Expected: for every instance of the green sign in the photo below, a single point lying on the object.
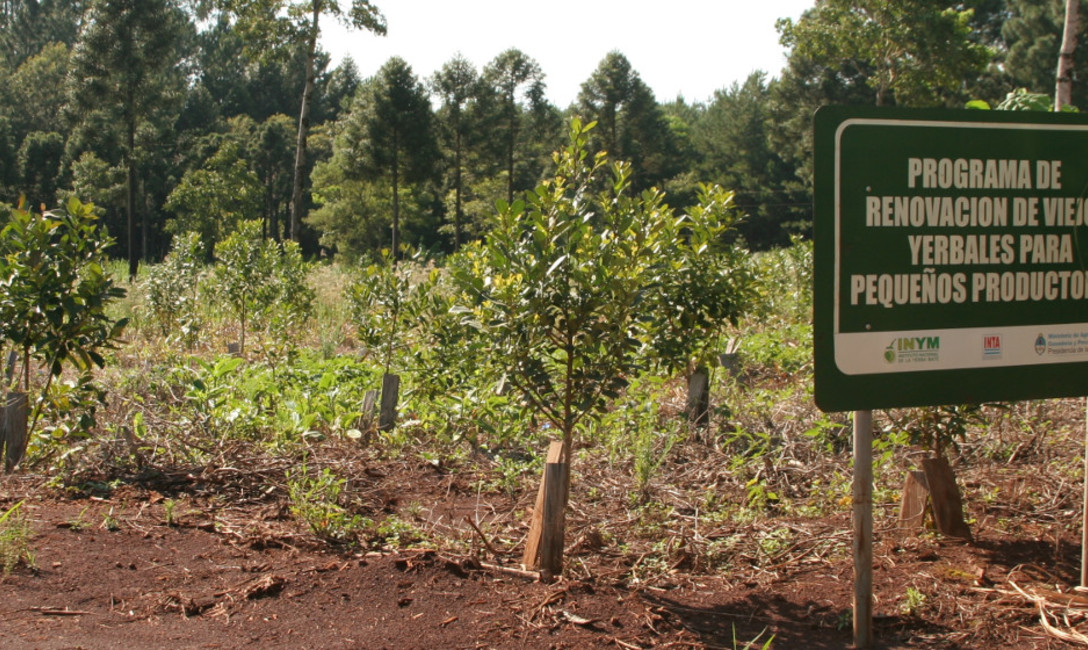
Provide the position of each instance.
(951, 257)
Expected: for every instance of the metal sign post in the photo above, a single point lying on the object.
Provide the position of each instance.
(863, 529)
(1084, 511)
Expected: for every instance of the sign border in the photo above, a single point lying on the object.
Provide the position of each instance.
(836, 390)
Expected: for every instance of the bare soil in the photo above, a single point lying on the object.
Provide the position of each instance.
(211, 557)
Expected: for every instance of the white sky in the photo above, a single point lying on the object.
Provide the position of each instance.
(678, 47)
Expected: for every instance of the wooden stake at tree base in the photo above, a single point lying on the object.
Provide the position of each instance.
(944, 496)
(544, 546)
(387, 418)
(13, 428)
(698, 406)
(915, 502)
(365, 423)
(933, 490)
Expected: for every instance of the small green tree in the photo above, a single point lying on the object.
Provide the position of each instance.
(565, 283)
(565, 287)
(54, 292)
(261, 280)
(171, 287)
(698, 285)
(383, 300)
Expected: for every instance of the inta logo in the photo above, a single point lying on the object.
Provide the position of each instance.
(991, 347)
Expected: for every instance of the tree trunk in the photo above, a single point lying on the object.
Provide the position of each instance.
(270, 205)
(145, 229)
(303, 130)
(458, 182)
(130, 201)
(513, 136)
(396, 198)
(1063, 91)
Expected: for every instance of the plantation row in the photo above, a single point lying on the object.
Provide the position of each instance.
(583, 293)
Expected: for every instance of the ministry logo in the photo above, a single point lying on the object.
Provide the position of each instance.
(1040, 345)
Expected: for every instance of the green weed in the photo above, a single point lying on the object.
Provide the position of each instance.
(15, 534)
(912, 602)
(110, 522)
(79, 523)
(315, 500)
(168, 515)
(748, 645)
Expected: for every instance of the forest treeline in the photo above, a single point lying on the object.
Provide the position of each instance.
(175, 117)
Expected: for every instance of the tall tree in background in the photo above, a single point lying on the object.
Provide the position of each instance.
(602, 98)
(270, 151)
(457, 85)
(216, 198)
(35, 86)
(28, 102)
(400, 143)
(857, 52)
(518, 84)
(338, 91)
(8, 181)
(732, 138)
(630, 124)
(39, 161)
(384, 152)
(1031, 39)
(268, 25)
(1063, 92)
(26, 26)
(127, 60)
(806, 84)
(912, 52)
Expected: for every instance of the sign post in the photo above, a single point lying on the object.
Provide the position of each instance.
(951, 267)
(863, 529)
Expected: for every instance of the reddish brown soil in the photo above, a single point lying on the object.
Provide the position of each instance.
(236, 570)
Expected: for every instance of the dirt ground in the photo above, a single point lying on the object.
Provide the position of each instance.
(211, 557)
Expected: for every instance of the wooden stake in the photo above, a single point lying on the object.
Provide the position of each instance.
(365, 423)
(13, 427)
(387, 417)
(544, 546)
(698, 406)
(915, 502)
(863, 529)
(554, 519)
(944, 498)
(730, 359)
